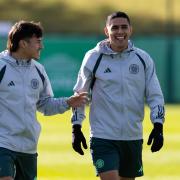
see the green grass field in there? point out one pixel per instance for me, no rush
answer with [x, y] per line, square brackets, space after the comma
[57, 160]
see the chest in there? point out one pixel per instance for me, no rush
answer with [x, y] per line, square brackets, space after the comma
[20, 82]
[120, 70]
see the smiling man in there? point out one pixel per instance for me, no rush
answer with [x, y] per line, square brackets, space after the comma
[25, 88]
[119, 76]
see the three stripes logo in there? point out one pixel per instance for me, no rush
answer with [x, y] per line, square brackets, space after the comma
[107, 70]
[160, 112]
[11, 83]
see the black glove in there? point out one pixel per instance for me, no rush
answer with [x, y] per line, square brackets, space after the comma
[157, 137]
[77, 139]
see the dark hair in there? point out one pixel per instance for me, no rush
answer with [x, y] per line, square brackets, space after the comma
[118, 14]
[22, 30]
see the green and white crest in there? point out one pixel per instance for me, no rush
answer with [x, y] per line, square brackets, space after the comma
[99, 163]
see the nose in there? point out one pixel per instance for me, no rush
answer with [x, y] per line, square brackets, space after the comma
[120, 30]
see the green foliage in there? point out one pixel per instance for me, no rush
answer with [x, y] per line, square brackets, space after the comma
[88, 17]
[57, 160]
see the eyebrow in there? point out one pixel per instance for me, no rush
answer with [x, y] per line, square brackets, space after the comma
[122, 25]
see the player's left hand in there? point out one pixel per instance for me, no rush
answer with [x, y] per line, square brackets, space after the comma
[156, 137]
[78, 139]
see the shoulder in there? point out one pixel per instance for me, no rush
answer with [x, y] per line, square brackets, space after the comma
[37, 65]
[141, 52]
[3, 59]
[90, 58]
[3, 63]
[144, 55]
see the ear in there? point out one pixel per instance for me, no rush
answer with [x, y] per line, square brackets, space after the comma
[131, 30]
[22, 44]
[106, 31]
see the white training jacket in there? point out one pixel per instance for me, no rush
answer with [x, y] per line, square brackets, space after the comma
[123, 82]
[24, 88]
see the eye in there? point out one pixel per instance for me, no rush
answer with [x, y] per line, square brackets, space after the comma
[124, 27]
[114, 27]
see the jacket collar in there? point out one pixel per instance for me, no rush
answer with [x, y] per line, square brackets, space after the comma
[103, 47]
[5, 55]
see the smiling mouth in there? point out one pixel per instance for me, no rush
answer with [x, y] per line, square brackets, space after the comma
[120, 37]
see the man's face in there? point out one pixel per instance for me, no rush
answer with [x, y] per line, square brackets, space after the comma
[118, 30]
[33, 47]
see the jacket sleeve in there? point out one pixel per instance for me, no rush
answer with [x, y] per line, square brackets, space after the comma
[47, 104]
[82, 84]
[153, 93]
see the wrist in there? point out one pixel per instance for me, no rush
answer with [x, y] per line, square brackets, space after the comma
[76, 127]
[158, 127]
[67, 102]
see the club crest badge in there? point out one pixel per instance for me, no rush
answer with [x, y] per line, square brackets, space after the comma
[34, 83]
[133, 68]
[99, 163]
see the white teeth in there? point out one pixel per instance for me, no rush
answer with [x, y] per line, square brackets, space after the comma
[120, 38]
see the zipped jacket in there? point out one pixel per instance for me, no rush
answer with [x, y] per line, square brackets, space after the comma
[24, 89]
[124, 82]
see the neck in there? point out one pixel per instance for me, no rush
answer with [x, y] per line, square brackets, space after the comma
[18, 56]
[118, 49]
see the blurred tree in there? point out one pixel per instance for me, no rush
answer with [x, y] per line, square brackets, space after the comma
[87, 17]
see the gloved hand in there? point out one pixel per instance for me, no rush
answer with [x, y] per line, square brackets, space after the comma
[157, 137]
[77, 139]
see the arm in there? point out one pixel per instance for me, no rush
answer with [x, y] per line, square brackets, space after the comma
[49, 105]
[83, 84]
[155, 101]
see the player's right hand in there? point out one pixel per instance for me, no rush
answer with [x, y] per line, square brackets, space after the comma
[77, 100]
[78, 139]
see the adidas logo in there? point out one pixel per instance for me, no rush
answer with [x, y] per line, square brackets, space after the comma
[11, 84]
[107, 70]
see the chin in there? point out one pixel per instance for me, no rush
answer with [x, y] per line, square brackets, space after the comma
[36, 57]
